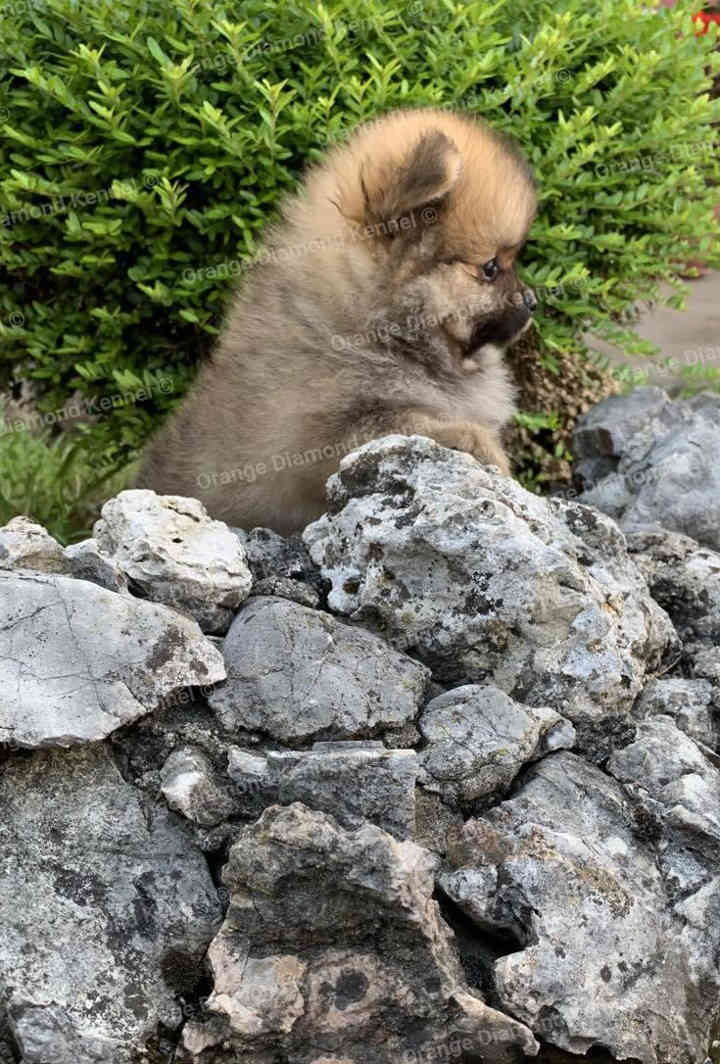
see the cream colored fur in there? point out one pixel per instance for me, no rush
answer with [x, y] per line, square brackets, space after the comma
[359, 320]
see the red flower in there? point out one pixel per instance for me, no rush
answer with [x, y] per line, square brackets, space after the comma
[706, 18]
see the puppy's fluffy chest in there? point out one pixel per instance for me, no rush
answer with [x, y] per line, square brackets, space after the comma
[483, 393]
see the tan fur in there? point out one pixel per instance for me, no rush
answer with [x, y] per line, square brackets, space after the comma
[365, 315]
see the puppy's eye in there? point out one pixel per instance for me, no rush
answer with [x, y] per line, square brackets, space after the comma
[490, 270]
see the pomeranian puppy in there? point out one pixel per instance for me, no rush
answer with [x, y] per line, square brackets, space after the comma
[380, 303]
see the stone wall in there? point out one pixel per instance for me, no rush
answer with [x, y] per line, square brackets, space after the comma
[438, 780]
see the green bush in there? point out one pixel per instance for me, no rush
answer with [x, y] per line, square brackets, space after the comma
[54, 479]
[145, 144]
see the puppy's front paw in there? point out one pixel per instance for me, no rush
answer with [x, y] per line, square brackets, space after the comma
[476, 440]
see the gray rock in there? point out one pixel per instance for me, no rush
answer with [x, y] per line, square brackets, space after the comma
[601, 954]
[436, 822]
[105, 911]
[706, 666]
[282, 566]
[247, 770]
[27, 545]
[665, 462]
[689, 702]
[684, 578]
[353, 781]
[294, 672]
[484, 581]
[478, 739]
[77, 661]
[272, 555]
[333, 949]
[673, 770]
[624, 423]
[85, 561]
[172, 552]
[191, 786]
[255, 783]
[283, 587]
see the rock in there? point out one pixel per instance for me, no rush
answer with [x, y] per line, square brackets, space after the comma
[282, 567]
[255, 782]
[623, 423]
[184, 719]
[689, 702]
[486, 582]
[333, 948]
[418, 869]
[105, 911]
[435, 821]
[173, 553]
[684, 578]
[77, 661]
[706, 666]
[600, 955]
[282, 587]
[662, 462]
[355, 781]
[404, 738]
[85, 561]
[478, 739]
[271, 555]
[670, 767]
[294, 673]
[190, 786]
[27, 545]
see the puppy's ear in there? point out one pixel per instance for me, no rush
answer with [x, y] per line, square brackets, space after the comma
[392, 187]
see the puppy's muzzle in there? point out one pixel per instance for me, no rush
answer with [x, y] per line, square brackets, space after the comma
[507, 326]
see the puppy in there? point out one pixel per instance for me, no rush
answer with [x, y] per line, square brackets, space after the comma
[380, 303]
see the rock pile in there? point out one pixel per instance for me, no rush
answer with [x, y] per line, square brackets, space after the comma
[438, 780]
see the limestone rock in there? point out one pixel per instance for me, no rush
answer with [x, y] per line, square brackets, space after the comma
[355, 781]
[684, 578]
[85, 561]
[673, 770]
[105, 912]
[334, 948]
[478, 739]
[77, 661]
[24, 544]
[660, 461]
[295, 672]
[486, 582]
[191, 786]
[172, 552]
[281, 566]
[606, 949]
[689, 702]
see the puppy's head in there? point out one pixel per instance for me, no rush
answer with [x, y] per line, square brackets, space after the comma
[444, 206]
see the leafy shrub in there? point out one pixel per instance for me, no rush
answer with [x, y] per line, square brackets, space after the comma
[145, 144]
[53, 479]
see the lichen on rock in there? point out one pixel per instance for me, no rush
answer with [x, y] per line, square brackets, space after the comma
[438, 779]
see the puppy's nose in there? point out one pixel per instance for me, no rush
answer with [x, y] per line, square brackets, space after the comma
[530, 300]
